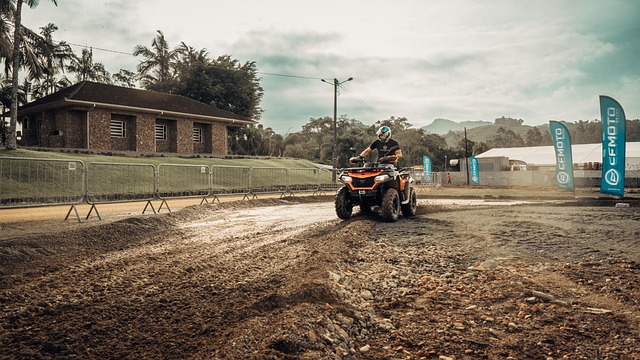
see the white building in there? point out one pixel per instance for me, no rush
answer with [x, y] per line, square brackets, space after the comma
[585, 157]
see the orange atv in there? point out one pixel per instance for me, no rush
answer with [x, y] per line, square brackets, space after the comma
[377, 184]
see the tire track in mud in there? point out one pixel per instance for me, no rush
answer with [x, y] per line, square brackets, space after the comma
[212, 275]
[201, 276]
[536, 232]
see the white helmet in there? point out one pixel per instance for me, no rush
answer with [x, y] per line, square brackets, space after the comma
[386, 131]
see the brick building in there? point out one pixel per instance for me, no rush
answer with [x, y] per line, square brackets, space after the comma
[96, 116]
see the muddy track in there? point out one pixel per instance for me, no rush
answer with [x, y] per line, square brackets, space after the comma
[287, 279]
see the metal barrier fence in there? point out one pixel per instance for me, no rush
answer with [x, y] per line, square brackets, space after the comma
[230, 180]
[303, 180]
[37, 182]
[268, 180]
[114, 182]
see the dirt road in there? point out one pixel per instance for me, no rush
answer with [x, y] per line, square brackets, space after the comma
[285, 279]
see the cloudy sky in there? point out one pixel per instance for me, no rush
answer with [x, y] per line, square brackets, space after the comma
[420, 59]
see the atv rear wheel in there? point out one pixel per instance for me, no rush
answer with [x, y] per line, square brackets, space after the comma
[410, 208]
[391, 205]
[344, 208]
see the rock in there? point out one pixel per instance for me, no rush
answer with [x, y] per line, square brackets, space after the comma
[365, 348]
[489, 264]
[312, 336]
[386, 324]
[366, 295]
[335, 277]
[344, 320]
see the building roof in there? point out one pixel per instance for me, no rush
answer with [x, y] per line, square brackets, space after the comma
[88, 93]
[545, 155]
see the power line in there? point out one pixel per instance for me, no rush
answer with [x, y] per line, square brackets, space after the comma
[291, 76]
[362, 102]
[97, 48]
[258, 72]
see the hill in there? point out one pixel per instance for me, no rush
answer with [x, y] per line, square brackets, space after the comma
[444, 126]
[487, 133]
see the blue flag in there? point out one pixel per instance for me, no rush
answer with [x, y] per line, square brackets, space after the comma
[564, 159]
[613, 146]
[475, 170]
[427, 169]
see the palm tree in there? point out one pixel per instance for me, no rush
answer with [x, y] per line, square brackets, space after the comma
[54, 57]
[157, 70]
[6, 18]
[125, 78]
[17, 27]
[5, 102]
[86, 69]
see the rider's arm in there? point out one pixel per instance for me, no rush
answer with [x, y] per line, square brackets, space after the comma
[365, 152]
[398, 154]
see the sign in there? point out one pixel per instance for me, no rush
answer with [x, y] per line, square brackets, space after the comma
[475, 170]
[613, 146]
[564, 159]
[427, 169]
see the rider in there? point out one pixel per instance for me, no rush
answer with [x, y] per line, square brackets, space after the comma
[385, 145]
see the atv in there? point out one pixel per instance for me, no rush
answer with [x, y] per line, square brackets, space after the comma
[376, 184]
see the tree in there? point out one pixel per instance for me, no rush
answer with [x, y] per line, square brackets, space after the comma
[633, 130]
[225, 84]
[54, 56]
[125, 78]
[157, 70]
[480, 147]
[506, 139]
[533, 137]
[17, 28]
[85, 69]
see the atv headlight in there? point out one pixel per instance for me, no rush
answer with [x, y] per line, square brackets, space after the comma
[346, 179]
[382, 178]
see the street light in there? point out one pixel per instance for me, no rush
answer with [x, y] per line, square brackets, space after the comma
[335, 121]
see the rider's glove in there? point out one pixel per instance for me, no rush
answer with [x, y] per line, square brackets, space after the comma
[355, 159]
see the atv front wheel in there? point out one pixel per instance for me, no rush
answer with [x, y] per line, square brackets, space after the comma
[410, 208]
[391, 205]
[344, 207]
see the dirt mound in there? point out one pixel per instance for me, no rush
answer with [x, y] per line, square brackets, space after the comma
[285, 279]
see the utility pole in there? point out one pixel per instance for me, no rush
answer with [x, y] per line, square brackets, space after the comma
[466, 154]
[334, 156]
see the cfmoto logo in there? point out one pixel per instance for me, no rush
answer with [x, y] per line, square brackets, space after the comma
[563, 177]
[612, 177]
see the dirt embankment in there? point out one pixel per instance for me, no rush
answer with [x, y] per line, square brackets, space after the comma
[285, 279]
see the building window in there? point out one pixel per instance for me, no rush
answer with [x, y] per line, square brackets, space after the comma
[161, 132]
[118, 129]
[197, 135]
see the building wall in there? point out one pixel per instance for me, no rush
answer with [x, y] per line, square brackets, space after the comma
[99, 129]
[31, 130]
[145, 131]
[204, 146]
[219, 138]
[185, 132]
[170, 145]
[67, 128]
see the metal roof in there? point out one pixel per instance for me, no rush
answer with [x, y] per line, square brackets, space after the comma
[545, 155]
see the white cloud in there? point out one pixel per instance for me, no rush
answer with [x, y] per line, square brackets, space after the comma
[460, 59]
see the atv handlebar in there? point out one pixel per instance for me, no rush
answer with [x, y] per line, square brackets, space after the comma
[388, 159]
